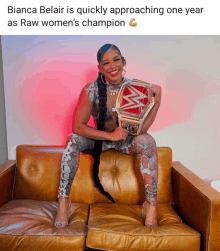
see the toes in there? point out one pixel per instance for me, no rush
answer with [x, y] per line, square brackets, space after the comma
[60, 224]
[57, 225]
[151, 225]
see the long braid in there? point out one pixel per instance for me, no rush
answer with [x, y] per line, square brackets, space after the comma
[102, 117]
[100, 126]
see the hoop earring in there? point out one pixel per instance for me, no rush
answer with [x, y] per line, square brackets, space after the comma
[124, 71]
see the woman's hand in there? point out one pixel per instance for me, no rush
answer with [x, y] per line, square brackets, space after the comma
[156, 92]
[119, 134]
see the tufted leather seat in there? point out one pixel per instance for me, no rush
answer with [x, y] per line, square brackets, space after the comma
[28, 204]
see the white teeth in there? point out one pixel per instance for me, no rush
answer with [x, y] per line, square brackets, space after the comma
[113, 72]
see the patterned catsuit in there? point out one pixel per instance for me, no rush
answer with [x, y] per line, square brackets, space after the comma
[143, 144]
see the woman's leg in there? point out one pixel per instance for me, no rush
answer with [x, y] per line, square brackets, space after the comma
[144, 145]
[69, 166]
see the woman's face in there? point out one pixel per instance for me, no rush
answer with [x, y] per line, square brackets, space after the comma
[111, 66]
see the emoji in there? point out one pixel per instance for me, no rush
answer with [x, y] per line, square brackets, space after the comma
[132, 23]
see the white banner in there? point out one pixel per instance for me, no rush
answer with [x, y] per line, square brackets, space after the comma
[67, 17]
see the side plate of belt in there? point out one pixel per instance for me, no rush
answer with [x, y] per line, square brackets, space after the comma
[133, 104]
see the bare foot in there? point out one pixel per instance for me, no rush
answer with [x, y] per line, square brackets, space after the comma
[63, 212]
[149, 214]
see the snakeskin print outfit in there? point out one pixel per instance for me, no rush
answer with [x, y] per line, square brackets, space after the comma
[143, 144]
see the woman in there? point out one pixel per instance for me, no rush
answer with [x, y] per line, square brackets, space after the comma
[97, 99]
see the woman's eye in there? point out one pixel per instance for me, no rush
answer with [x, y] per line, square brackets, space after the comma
[116, 59]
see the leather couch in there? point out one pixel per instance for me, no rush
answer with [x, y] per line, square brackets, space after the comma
[188, 210]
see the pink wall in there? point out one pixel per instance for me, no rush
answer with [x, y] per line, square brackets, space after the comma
[44, 75]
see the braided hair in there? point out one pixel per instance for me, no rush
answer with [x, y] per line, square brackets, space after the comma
[102, 118]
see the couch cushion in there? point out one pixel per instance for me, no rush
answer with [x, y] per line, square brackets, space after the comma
[121, 176]
[119, 227]
[28, 225]
[38, 174]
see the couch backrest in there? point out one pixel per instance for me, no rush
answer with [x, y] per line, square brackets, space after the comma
[38, 174]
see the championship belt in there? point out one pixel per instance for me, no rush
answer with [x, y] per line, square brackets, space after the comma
[133, 104]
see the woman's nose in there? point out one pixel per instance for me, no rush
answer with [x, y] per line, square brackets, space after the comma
[112, 64]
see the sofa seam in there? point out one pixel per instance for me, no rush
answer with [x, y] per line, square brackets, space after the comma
[42, 235]
[13, 186]
[195, 235]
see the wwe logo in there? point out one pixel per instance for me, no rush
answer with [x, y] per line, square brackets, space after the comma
[134, 99]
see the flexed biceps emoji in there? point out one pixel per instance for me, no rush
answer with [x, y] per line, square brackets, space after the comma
[132, 23]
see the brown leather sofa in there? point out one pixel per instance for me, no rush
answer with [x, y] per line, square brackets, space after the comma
[28, 204]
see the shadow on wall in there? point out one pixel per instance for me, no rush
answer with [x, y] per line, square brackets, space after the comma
[3, 134]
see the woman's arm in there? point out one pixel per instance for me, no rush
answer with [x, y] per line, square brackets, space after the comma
[81, 116]
[156, 90]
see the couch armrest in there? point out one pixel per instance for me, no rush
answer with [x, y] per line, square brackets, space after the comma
[7, 173]
[198, 204]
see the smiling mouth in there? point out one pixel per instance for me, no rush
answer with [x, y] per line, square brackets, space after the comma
[114, 73]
